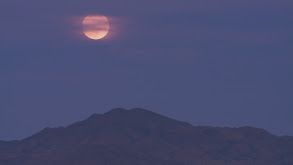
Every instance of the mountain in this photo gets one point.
(142, 137)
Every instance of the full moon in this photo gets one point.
(95, 27)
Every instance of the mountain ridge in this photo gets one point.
(140, 136)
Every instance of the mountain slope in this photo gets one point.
(141, 137)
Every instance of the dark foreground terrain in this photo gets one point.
(141, 137)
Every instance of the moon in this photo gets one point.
(95, 26)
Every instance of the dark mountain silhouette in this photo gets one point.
(141, 137)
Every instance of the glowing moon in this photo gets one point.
(95, 27)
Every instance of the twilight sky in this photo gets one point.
(206, 62)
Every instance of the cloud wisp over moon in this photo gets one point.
(96, 26)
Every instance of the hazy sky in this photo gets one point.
(207, 62)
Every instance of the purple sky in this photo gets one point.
(207, 62)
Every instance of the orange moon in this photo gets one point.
(96, 26)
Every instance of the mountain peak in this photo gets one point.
(134, 112)
(116, 111)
